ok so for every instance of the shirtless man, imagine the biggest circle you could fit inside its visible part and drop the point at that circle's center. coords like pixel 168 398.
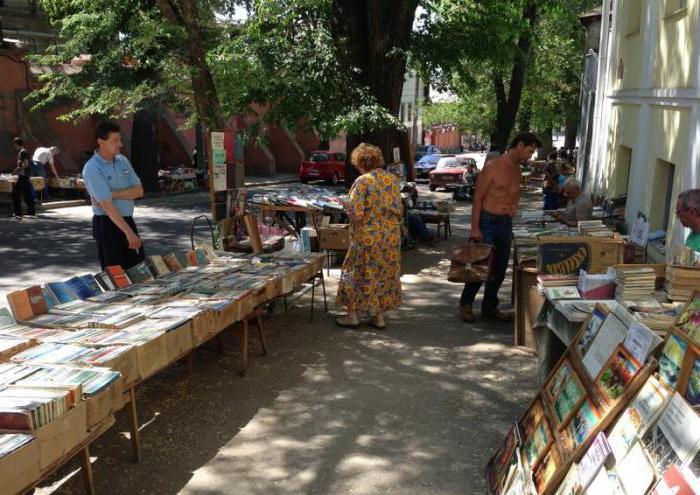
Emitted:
pixel 494 205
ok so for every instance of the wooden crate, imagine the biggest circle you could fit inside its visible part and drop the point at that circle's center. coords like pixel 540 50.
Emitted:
pixel 20 468
pixel 103 404
pixel 62 435
pixel 566 255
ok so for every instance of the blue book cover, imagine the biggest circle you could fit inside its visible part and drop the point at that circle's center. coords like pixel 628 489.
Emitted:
pixel 79 288
pixel 201 256
pixel 50 299
pixel 91 283
pixel 61 292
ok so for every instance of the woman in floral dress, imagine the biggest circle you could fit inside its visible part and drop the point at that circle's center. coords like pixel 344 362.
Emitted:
pixel 370 278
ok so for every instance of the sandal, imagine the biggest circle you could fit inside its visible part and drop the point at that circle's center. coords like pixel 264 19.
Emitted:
pixel 344 321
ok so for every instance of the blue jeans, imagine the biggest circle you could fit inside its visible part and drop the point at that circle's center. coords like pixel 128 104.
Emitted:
pixel 497 231
pixel 417 228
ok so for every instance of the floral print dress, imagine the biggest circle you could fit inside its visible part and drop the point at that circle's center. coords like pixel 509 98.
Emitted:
pixel 370 280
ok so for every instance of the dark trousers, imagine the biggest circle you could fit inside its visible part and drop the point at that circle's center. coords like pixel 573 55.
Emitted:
pixel 23 189
pixel 112 246
pixel 497 231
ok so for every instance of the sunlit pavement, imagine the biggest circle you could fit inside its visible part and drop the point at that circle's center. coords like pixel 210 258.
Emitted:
pixel 415 409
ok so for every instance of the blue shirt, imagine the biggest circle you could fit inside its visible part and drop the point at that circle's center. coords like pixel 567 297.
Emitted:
pixel 102 177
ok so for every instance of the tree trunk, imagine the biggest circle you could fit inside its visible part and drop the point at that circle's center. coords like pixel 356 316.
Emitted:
pixel 508 103
pixel 373 36
pixel 570 133
pixel 185 14
pixel 144 148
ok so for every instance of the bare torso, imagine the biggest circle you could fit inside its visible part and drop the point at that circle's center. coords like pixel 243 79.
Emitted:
pixel 503 193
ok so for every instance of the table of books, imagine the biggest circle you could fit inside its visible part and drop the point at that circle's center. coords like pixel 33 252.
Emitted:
pixel 618 414
pixel 73 352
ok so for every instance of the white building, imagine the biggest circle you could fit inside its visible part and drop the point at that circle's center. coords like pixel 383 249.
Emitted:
pixel 411 109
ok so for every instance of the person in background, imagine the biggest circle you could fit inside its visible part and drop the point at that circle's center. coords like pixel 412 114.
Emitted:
pixel 370 279
pixel 688 212
pixel 44 157
pixel 113 186
pixel 494 206
pixel 23 187
pixel 580 206
pixel 551 186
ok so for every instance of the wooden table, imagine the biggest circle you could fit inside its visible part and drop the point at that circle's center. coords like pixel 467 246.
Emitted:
pixel 442 220
pixel 278 212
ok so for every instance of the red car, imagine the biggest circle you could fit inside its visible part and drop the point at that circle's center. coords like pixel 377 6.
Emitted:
pixel 452 172
pixel 323 165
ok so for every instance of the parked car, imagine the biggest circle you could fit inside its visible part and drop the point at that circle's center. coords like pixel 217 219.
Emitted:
pixel 426 165
pixel 421 151
pixel 323 165
pixel 452 172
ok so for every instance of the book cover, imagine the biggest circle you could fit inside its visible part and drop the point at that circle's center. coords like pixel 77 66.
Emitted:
pixel 105 282
pixel 49 298
pixel 692 391
pixel 157 265
pixel 617 374
pixel 597 455
pixel 118 276
pixel 674 482
pixel 554 293
pixel 582 424
pixel 139 273
pixel 78 286
pixel 671 360
pixel 689 321
pixel 61 292
pixel 192 258
pixel 172 262
pixel 27 303
pixel 92 284
pixel 182 258
pixel 201 256
pixel 545 470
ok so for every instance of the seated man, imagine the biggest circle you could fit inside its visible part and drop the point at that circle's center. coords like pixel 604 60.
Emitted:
pixel 579 207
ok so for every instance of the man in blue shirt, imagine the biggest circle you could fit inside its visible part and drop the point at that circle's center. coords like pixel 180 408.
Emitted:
pixel 113 186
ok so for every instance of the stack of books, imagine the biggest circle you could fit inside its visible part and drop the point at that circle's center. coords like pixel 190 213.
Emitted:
pixel 24 408
pixel 655 315
pixel 681 282
pixel 635 284
pixel 594 228
pixel 548 281
pixel 9 442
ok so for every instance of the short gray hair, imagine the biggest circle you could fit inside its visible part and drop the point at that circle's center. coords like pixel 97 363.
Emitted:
pixel 573 183
pixel 690 199
pixel 54 150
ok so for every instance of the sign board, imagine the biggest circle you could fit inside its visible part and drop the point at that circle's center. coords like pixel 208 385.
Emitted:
pixel 397 154
pixel 218 161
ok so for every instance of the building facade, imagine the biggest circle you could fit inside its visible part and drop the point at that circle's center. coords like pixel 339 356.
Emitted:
pixel 411 110
pixel 646 129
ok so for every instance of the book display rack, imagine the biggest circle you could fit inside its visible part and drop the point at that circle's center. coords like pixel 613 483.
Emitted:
pixel 617 414
pixel 72 353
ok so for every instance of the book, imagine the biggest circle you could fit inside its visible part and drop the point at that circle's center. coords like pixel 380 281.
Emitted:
pixel 192 258
pixel 671 360
pixel 78 286
pixel 157 265
pixel 172 262
pixel 10 442
pixel 692 391
pixel 90 281
pixel 6 318
pixel 676 481
pixel 27 303
pixel 105 281
pixel 598 455
pixel 182 259
pixel 617 374
pixel 689 321
pixel 635 472
pixel 118 276
pixel 92 380
pixel 61 291
pixel 49 298
pixel 612 332
pixel 582 424
pixel 201 256
pixel 139 273
pixel 676 436
pixel 555 293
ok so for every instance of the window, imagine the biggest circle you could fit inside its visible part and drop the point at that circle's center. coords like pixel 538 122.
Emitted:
pixel 402 112
pixel 409 113
pixel 633 9
pixel 622 170
pixel 662 194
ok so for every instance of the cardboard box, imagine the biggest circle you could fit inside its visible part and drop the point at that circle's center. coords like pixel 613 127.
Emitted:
pixel 104 404
pixel 179 341
pixel 60 436
pixel 335 236
pixel 566 255
pixel 151 357
pixel 20 469
pixel 126 364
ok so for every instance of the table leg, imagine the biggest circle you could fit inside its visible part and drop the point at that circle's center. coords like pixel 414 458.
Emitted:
pixel 88 479
pixel 323 285
pixel 244 347
pixel 259 323
pixel 134 427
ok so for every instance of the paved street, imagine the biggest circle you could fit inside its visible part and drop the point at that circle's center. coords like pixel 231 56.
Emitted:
pixel 416 409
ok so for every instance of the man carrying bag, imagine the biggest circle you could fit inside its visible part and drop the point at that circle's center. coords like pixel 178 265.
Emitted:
pixel 494 205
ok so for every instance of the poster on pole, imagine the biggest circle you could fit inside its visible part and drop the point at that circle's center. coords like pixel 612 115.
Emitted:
pixel 218 161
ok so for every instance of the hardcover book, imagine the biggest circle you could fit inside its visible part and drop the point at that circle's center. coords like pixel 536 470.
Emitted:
pixel 27 303
pixel 104 281
pixel 61 291
pixel 78 286
pixel 118 276
pixel 91 283
pixel 172 262
pixel 139 273
pixel 157 265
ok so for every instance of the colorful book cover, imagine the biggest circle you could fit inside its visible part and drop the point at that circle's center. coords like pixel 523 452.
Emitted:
pixel 172 262
pixel 619 371
pixel 582 424
pixel 61 292
pixel 118 276
pixel 671 360
pixel 157 265
pixel 192 258
pixel 92 284
pixel 531 420
pixel 79 288
pixel 674 482
pixel 689 321
pixel 139 273
pixel 182 258
pixel 201 256
pixel 50 299
pixel 692 392
pixel 537 443
pixel 544 472
pixel 105 281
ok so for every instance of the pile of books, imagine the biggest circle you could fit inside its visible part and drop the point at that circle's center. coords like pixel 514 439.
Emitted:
pixel 24 408
pixel 594 228
pixel 634 284
pixel 681 282
pixel 301 196
pixel 655 315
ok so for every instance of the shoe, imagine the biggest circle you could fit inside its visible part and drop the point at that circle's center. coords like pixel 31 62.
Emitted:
pixel 496 314
pixel 344 321
pixel 467 313
pixel 379 325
